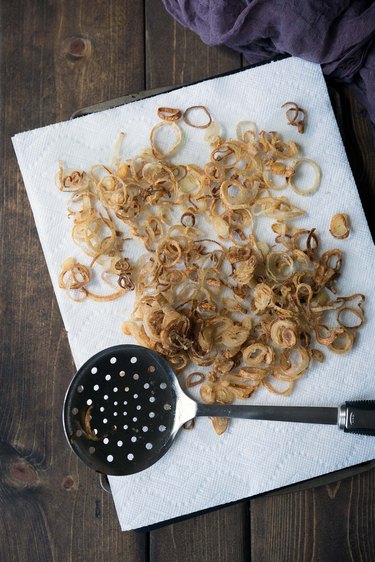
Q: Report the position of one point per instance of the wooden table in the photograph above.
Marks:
(57, 56)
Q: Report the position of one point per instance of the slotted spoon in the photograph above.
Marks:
(125, 406)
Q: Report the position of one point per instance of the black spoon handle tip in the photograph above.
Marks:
(358, 417)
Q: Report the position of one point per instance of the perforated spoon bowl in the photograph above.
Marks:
(123, 409)
(125, 406)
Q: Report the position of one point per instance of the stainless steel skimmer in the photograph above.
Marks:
(125, 406)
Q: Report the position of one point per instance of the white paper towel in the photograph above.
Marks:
(202, 470)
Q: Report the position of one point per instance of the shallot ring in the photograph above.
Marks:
(156, 152)
(315, 186)
(188, 122)
(169, 113)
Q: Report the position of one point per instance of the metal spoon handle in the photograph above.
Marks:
(273, 413)
(352, 417)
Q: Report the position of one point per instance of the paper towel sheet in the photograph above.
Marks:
(202, 470)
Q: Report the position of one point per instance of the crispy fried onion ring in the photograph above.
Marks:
(340, 226)
(212, 133)
(159, 154)
(295, 115)
(169, 113)
(316, 183)
(200, 109)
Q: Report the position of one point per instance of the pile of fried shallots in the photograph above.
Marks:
(251, 314)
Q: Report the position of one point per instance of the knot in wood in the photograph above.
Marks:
(68, 483)
(77, 47)
(23, 474)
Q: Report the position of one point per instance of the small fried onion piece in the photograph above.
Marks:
(279, 265)
(284, 333)
(105, 298)
(189, 424)
(353, 318)
(340, 226)
(216, 392)
(293, 364)
(234, 195)
(220, 425)
(343, 342)
(306, 190)
(86, 425)
(159, 154)
(263, 298)
(169, 113)
(195, 108)
(72, 181)
(212, 133)
(278, 208)
(246, 130)
(168, 252)
(257, 354)
(286, 392)
(295, 116)
(73, 275)
(193, 379)
(73, 278)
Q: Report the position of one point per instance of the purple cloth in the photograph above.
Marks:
(338, 34)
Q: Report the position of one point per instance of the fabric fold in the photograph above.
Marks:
(337, 34)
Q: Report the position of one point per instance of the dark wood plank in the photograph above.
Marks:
(357, 136)
(359, 144)
(55, 58)
(282, 527)
(333, 522)
(219, 536)
(174, 55)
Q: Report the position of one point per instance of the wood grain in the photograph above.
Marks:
(55, 57)
(175, 55)
(219, 536)
(329, 523)
(359, 145)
